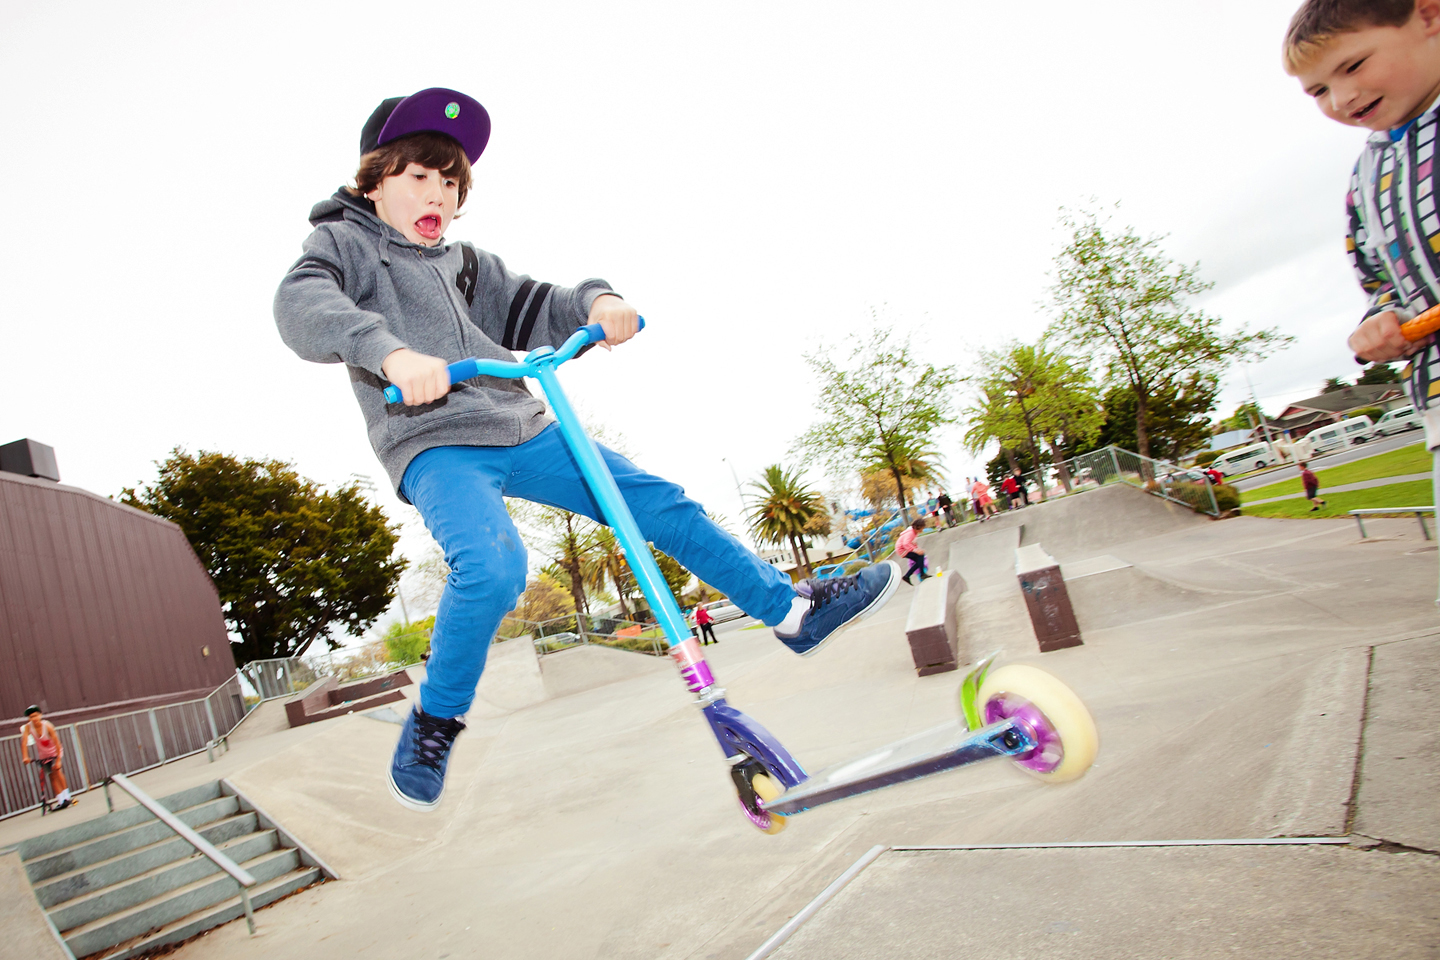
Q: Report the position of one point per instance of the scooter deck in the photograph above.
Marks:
(936, 750)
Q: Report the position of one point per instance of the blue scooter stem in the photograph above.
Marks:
(473, 366)
(602, 484)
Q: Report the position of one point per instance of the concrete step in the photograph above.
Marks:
(263, 893)
(122, 867)
(198, 896)
(159, 881)
(78, 833)
(71, 858)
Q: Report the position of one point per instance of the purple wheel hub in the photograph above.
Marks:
(761, 821)
(1049, 751)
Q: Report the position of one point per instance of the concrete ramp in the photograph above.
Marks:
(1108, 592)
(1317, 902)
(511, 681)
(28, 932)
(1085, 524)
(590, 666)
(1278, 761)
(992, 614)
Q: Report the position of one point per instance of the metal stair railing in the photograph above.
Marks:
(240, 875)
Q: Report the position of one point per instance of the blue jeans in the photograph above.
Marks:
(459, 491)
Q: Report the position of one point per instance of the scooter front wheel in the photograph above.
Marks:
(1062, 726)
(753, 784)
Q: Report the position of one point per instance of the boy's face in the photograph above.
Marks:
(419, 202)
(1378, 77)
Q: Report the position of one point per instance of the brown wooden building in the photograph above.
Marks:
(103, 608)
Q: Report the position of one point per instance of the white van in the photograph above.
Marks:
(1253, 457)
(1342, 434)
(1401, 418)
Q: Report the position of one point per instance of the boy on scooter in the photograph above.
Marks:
(1375, 64)
(380, 290)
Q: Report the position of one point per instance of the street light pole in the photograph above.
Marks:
(744, 511)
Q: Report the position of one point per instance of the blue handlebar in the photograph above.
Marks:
(474, 366)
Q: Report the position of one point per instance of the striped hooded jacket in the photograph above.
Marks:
(1394, 235)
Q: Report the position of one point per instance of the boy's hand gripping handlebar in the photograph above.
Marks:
(1422, 326)
(475, 366)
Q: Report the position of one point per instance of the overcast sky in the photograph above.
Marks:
(757, 178)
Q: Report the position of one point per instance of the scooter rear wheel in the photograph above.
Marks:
(1065, 731)
(767, 788)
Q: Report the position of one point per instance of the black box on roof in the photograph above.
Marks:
(29, 458)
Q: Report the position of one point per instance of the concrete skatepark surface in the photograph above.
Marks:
(1250, 678)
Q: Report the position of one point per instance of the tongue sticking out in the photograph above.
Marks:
(428, 227)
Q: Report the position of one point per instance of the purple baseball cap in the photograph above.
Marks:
(437, 109)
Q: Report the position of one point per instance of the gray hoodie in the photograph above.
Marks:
(362, 291)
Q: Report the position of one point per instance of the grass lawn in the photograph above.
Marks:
(1413, 493)
(1393, 463)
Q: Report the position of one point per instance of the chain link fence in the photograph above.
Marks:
(1117, 465)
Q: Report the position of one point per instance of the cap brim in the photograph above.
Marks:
(442, 111)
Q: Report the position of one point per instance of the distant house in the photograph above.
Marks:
(1228, 439)
(1302, 416)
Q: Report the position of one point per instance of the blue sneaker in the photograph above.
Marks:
(417, 771)
(838, 602)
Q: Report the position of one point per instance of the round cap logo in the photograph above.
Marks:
(452, 109)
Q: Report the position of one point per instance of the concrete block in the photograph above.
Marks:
(1046, 599)
(933, 627)
(312, 699)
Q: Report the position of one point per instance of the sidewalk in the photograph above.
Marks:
(1358, 485)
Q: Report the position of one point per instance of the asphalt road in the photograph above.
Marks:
(1360, 452)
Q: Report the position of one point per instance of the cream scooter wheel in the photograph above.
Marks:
(1065, 731)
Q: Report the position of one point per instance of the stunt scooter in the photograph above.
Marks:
(1016, 711)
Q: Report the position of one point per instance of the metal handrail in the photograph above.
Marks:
(1419, 513)
(183, 830)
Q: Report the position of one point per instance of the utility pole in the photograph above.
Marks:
(1264, 425)
(744, 510)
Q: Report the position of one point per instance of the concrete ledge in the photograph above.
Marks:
(326, 698)
(1046, 599)
(933, 625)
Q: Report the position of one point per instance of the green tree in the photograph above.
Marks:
(1378, 373)
(1333, 384)
(880, 409)
(1120, 299)
(405, 642)
(605, 563)
(1179, 418)
(782, 509)
(1031, 394)
(544, 599)
(565, 539)
(1247, 416)
(292, 562)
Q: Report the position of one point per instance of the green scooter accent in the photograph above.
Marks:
(970, 690)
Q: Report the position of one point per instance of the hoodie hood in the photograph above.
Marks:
(342, 206)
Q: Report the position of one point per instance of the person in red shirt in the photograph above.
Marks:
(1312, 486)
(41, 735)
(706, 624)
(1011, 490)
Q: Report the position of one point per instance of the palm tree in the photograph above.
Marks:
(605, 561)
(783, 509)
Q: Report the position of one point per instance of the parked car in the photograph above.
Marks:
(1345, 433)
(722, 610)
(1401, 418)
(1254, 457)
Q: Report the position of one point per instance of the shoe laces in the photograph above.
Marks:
(823, 591)
(434, 737)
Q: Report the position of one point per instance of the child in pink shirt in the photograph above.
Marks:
(908, 546)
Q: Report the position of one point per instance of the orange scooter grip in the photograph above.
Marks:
(1422, 326)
